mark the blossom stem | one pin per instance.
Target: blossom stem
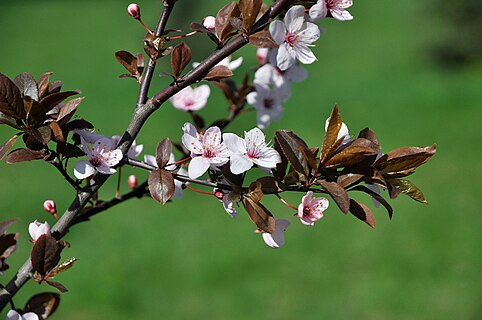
(286, 202)
(190, 34)
(117, 192)
(145, 27)
(198, 191)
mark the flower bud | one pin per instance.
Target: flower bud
(218, 193)
(209, 22)
(49, 206)
(134, 11)
(36, 229)
(132, 181)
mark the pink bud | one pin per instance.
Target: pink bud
(209, 22)
(36, 229)
(134, 11)
(261, 55)
(218, 193)
(132, 181)
(49, 206)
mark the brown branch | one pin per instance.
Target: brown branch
(141, 114)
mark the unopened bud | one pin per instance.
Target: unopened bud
(262, 55)
(218, 193)
(132, 181)
(134, 11)
(209, 22)
(49, 206)
(36, 229)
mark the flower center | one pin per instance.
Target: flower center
(306, 211)
(268, 103)
(208, 153)
(188, 102)
(291, 38)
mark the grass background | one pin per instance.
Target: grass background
(188, 259)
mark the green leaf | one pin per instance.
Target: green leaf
(408, 188)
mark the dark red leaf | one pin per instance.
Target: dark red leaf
(11, 103)
(54, 99)
(161, 185)
(163, 152)
(43, 84)
(128, 60)
(258, 213)
(23, 154)
(330, 142)
(403, 161)
(351, 155)
(296, 151)
(339, 194)
(5, 224)
(8, 244)
(57, 285)
(4, 148)
(223, 26)
(407, 187)
(45, 254)
(57, 132)
(377, 197)
(43, 304)
(368, 134)
(217, 73)
(68, 110)
(249, 11)
(180, 57)
(27, 85)
(270, 185)
(42, 134)
(69, 151)
(362, 212)
(262, 39)
(77, 124)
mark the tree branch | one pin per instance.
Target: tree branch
(141, 114)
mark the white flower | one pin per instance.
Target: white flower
(206, 152)
(189, 99)
(250, 150)
(101, 158)
(268, 102)
(178, 191)
(311, 209)
(277, 239)
(36, 229)
(134, 150)
(89, 136)
(336, 8)
(269, 74)
(293, 36)
(226, 62)
(343, 133)
(14, 315)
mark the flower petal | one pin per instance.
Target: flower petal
(13, 315)
(197, 167)
(151, 160)
(212, 137)
(310, 33)
(277, 239)
(234, 143)
(304, 54)
(318, 11)
(104, 169)
(30, 316)
(192, 144)
(341, 15)
(278, 31)
(233, 65)
(83, 169)
(294, 18)
(286, 57)
(240, 163)
(268, 158)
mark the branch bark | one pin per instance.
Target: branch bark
(144, 109)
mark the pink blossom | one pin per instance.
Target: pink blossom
(209, 22)
(206, 152)
(249, 151)
(102, 157)
(262, 55)
(277, 239)
(311, 209)
(49, 206)
(134, 150)
(189, 99)
(132, 181)
(36, 229)
(268, 102)
(228, 203)
(294, 36)
(337, 9)
(14, 315)
(268, 74)
(134, 11)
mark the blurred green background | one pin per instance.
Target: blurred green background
(188, 259)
